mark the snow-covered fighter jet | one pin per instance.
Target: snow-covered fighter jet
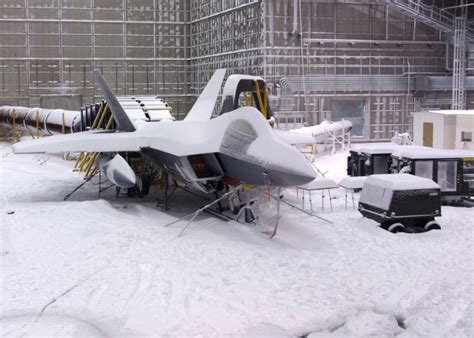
(200, 152)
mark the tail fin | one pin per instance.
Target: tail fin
(120, 116)
(204, 105)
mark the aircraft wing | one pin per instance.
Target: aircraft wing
(204, 105)
(91, 141)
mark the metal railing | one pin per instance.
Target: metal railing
(430, 15)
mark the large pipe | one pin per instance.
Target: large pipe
(322, 131)
(51, 121)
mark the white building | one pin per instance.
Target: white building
(444, 129)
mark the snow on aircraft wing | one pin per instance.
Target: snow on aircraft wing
(204, 105)
(104, 141)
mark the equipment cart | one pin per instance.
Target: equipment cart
(453, 170)
(401, 202)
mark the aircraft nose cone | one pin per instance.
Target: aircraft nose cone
(285, 165)
(301, 172)
(306, 171)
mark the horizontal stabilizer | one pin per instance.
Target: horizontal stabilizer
(120, 116)
(204, 105)
(78, 142)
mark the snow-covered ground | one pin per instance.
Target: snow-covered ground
(108, 267)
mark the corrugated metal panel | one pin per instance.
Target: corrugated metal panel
(346, 83)
(440, 83)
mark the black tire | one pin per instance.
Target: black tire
(132, 191)
(396, 227)
(234, 204)
(143, 184)
(432, 225)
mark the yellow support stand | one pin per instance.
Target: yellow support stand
(63, 131)
(247, 99)
(37, 125)
(260, 99)
(98, 117)
(79, 159)
(86, 160)
(109, 123)
(63, 124)
(102, 115)
(89, 168)
(16, 134)
(14, 121)
(265, 100)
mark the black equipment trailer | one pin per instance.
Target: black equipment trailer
(370, 160)
(453, 170)
(401, 202)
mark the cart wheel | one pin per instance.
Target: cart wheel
(432, 225)
(396, 227)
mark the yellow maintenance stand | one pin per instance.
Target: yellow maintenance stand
(86, 160)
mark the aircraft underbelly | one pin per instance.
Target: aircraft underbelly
(194, 171)
(174, 164)
(253, 173)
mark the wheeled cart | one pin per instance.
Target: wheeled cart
(401, 202)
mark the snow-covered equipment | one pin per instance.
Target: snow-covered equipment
(319, 184)
(40, 121)
(401, 202)
(145, 108)
(325, 129)
(374, 158)
(335, 134)
(369, 161)
(46, 122)
(402, 139)
(352, 184)
(453, 170)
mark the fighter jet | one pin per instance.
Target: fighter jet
(200, 152)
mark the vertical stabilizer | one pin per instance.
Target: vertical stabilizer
(202, 109)
(120, 116)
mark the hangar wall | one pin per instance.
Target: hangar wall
(52, 46)
(328, 55)
(319, 60)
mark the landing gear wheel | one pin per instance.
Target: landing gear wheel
(143, 183)
(432, 225)
(396, 227)
(133, 191)
(234, 204)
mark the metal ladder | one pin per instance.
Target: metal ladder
(459, 63)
